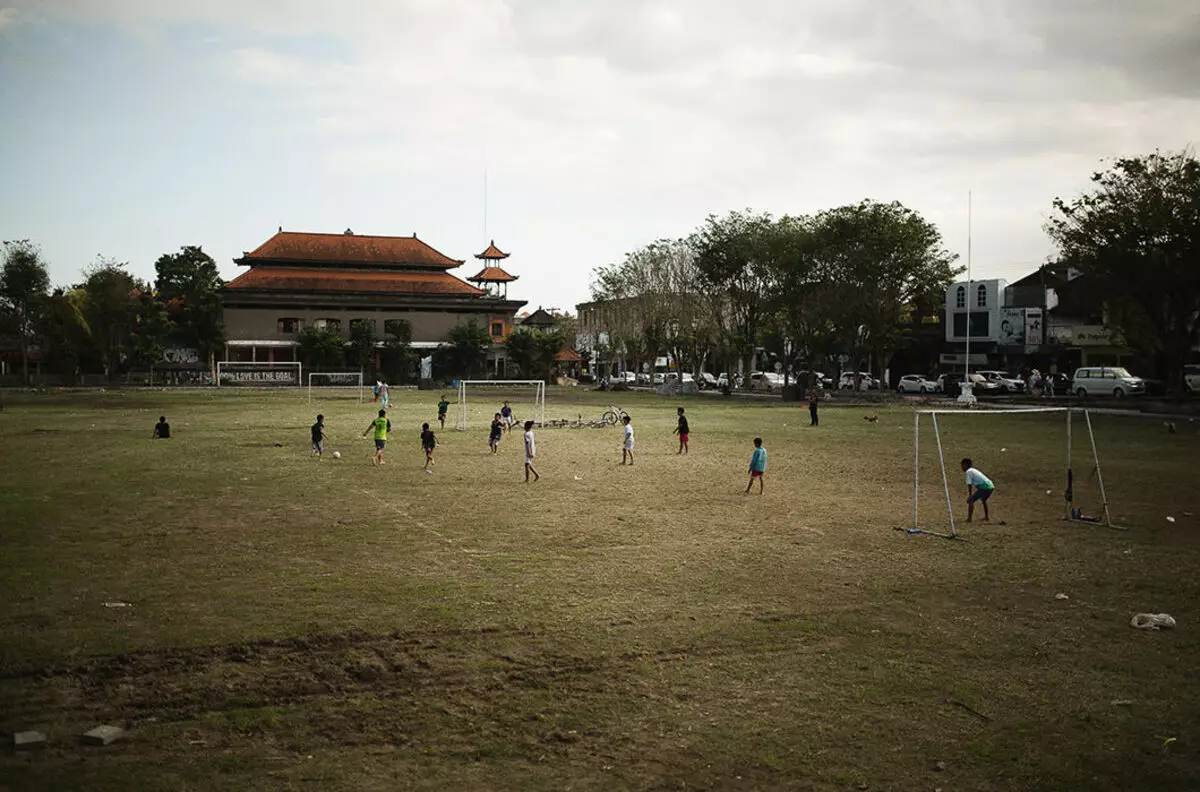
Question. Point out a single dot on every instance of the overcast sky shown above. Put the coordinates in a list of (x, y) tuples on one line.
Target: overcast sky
[(132, 127)]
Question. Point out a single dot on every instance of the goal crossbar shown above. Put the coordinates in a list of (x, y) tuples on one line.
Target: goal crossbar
[(933, 416), (539, 398), (354, 379)]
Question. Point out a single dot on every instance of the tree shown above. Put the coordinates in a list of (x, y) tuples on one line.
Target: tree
[(152, 329), (397, 359), (24, 283), (466, 354), (321, 348), (522, 349), (190, 285), (111, 308), (736, 276), (65, 328), (1138, 234), (361, 351)]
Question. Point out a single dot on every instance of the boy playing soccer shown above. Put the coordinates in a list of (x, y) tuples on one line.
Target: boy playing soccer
[(443, 405), (627, 447), (318, 436), (428, 442), (682, 431), (380, 425), (494, 435), (983, 487), (758, 465), (506, 416), (530, 452)]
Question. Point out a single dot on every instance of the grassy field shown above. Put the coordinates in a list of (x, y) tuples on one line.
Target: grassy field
[(295, 624)]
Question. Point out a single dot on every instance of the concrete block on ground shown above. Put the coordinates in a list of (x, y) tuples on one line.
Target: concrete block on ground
[(102, 735), (29, 740)]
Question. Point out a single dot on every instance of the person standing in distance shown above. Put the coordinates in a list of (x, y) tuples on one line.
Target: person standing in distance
[(758, 465), (682, 431), (814, 399), (530, 452), (627, 446), (380, 426)]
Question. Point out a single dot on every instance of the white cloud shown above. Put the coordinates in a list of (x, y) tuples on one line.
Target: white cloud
[(9, 18)]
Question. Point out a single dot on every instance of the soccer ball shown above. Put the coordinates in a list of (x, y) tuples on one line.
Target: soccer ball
[(337, 454)]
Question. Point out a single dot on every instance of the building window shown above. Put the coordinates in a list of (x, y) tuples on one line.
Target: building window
[(328, 324), (369, 324), (289, 325), (960, 300), (497, 329), (981, 296)]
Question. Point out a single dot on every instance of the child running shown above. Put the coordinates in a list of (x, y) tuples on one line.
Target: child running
[(758, 465), (443, 405), (494, 435), (428, 442), (682, 431), (530, 452), (319, 437), (627, 448), (983, 487), (381, 426), (506, 416)]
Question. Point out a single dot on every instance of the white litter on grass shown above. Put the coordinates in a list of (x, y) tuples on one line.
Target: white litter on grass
[(1002, 450), (1170, 519), (1048, 492), (577, 478), (118, 605), (1152, 621), (1061, 596)]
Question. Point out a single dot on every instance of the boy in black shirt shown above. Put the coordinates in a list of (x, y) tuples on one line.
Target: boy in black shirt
[(682, 431), (497, 431), (318, 436), (428, 442), (162, 429)]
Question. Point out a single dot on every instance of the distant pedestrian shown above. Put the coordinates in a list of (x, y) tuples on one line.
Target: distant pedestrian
[(627, 446), (530, 452), (318, 436), (814, 400), (758, 466), (682, 430), (162, 429)]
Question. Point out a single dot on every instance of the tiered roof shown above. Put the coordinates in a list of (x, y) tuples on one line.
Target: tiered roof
[(492, 272)]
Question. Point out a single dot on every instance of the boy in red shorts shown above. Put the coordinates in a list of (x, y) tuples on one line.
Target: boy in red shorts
[(758, 465), (682, 431)]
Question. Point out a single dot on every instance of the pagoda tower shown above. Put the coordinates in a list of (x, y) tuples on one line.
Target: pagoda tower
[(492, 278)]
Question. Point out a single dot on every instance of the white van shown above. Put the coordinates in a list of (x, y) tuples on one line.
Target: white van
[(1106, 381)]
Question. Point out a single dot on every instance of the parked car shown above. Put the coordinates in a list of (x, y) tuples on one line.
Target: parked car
[(673, 376), (765, 381), (951, 385), (658, 377), (865, 381), (1191, 379), (643, 378), (816, 378), (916, 383), (723, 380), (706, 381), (1105, 381), (1007, 383)]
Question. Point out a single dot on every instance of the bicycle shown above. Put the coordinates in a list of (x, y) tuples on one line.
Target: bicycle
[(614, 415)]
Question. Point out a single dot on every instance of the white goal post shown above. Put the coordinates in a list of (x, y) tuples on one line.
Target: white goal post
[(336, 379), (537, 405), (241, 372), (1071, 514)]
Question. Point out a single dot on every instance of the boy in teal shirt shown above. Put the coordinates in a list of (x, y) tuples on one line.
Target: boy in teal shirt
[(443, 406), (758, 466), (983, 487)]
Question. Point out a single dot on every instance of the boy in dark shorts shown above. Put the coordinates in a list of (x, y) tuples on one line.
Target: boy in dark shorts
[(380, 426), (506, 416), (758, 465), (495, 434), (318, 436), (443, 406), (682, 431), (428, 443), (983, 487), (162, 429)]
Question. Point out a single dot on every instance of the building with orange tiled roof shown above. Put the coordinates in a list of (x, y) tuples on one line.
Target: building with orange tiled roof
[(295, 280)]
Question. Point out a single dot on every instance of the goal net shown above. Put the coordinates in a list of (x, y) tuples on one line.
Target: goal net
[(480, 400), (230, 372), (336, 385), (1012, 452)]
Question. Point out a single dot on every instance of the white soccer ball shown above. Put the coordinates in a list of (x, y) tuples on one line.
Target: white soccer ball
[(337, 454)]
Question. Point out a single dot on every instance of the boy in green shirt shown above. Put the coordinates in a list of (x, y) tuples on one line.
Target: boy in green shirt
[(380, 425), (443, 405)]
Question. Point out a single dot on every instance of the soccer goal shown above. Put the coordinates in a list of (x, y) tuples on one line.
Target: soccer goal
[(1066, 414), (527, 398), (336, 385), (244, 373)]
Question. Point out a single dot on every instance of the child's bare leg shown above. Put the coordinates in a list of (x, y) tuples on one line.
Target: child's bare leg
[(986, 516), (970, 510)]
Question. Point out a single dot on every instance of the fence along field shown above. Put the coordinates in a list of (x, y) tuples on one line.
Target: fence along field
[(608, 626)]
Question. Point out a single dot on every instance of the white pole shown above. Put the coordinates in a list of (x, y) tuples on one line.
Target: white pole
[(1069, 478), (1099, 477), (970, 295), (945, 484), (916, 463)]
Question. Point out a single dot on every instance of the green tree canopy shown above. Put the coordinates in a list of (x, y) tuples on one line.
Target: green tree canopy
[(189, 283), (111, 308), (24, 283), (1138, 234), (321, 348), (465, 356)]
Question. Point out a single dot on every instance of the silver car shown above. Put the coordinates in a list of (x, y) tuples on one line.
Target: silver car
[(915, 383), (1106, 381)]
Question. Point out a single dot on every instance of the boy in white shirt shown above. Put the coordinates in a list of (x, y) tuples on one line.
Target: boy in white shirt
[(530, 452), (982, 486), (627, 448)]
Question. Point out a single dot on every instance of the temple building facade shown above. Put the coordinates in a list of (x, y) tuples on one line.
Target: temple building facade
[(295, 280)]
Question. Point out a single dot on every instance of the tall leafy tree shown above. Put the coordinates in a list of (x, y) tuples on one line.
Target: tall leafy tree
[(151, 331), (68, 337), (1138, 234), (189, 283), (361, 350), (24, 284), (465, 355), (111, 307), (321, 348), (398, 360)]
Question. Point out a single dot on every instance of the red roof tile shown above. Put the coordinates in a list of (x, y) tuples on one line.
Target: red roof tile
[(354, 249), (492, 252), (492, 275), (568, 355), (294, 279)]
